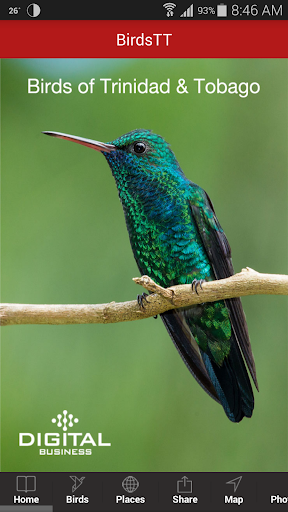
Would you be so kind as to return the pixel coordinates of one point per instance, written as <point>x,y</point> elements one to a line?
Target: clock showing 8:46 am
<point>255,10</point>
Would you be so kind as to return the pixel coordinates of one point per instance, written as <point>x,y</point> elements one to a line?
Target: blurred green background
<point>64,240</point>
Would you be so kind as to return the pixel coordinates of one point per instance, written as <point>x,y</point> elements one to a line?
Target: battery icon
<point>222,10</point>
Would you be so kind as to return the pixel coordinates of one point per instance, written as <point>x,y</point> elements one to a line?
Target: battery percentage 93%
<point>205,10</point>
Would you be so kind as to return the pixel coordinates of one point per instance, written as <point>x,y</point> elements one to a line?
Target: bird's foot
<point>141,298</point>
<point>156,316</point>
<point>195,283</point>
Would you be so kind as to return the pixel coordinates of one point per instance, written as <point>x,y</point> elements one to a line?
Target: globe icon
<point>130,484</point>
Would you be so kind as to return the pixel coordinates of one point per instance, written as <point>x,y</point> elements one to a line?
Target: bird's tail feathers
<point>232,384</point>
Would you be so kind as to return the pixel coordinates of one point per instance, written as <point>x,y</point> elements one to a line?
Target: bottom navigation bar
<point>204,492</point>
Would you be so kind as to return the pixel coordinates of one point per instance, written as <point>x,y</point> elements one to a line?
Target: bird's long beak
<point>94,144</point>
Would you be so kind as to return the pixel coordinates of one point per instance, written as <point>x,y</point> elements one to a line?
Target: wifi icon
<point>169,7</point>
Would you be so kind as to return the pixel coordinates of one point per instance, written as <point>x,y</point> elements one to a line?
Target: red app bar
<point>143,39</point>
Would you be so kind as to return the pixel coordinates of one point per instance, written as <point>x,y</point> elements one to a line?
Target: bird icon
<point>176,238</point>
<point>77,482</point>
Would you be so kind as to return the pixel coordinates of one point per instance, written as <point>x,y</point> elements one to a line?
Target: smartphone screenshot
<point>144,257</point>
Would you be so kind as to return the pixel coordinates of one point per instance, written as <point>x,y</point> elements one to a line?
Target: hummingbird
<point>176,238</point>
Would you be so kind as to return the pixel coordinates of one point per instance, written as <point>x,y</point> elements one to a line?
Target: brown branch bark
<point>247,282</point>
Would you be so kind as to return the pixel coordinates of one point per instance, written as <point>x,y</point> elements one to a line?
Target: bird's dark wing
<point>180,333</point>
<point>175,322</point>
<point>229,383</point>
<point>219,254</point>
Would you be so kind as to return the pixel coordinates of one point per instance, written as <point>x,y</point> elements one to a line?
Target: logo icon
<point>77,482</point>
<point>188,13</point>
<point>64,420</point>
<point>26,483</point>
<point>235,482</point>
<point>64,442</point>
<point>169,7</point>
<point>130,484</point>
<point>184,485</point>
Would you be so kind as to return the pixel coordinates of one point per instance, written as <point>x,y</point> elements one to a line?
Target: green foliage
<point>64,240</point>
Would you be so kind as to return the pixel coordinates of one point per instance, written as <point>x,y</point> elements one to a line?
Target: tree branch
<point>247,282</point>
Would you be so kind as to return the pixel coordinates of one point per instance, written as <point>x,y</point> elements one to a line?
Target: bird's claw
<point>195,283</point>
<point>141,298</point>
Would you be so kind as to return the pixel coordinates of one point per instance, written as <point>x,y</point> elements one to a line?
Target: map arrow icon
<point>235,482</point>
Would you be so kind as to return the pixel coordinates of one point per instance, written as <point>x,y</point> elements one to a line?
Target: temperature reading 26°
<point>14,10</point>
<point>206,10</point>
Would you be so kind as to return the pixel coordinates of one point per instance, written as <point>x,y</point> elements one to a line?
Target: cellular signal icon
<point>169,7</point>
<point>188,13</point>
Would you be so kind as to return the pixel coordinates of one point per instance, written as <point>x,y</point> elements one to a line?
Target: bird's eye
<point>139,147</point>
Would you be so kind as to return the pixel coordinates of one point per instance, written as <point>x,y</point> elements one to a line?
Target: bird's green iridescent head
<point>144,145</point>
<point>142,153</point>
